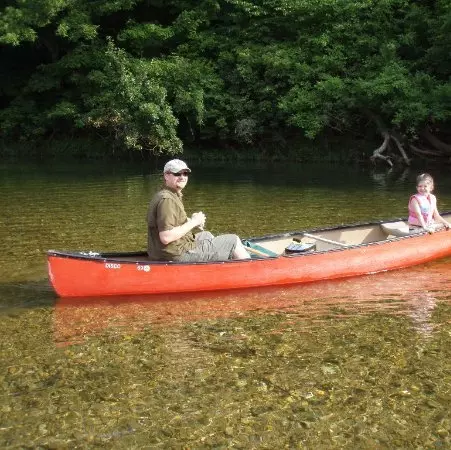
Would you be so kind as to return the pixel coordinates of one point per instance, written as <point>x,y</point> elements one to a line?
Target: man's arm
<point>168,236</point>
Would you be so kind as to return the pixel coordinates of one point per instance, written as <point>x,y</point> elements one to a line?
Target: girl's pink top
<point>427,207</point>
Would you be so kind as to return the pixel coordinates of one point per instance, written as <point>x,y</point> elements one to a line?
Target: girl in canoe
<point>423,206</point>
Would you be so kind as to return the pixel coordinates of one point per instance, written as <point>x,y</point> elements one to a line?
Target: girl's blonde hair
<point>425,177</point>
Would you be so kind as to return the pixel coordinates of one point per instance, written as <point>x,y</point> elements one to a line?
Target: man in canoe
<point>172,236</point>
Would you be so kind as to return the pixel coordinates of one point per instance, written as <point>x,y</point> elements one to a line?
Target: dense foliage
<point>155,74</point>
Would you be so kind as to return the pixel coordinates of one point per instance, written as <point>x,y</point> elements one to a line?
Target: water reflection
<point>413,292</point>
<point>421,314</point>
<point>393,176</point>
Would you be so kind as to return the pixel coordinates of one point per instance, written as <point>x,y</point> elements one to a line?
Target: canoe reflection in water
<point>413,292</point>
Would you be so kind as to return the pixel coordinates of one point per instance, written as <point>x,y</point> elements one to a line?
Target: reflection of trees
<point>394,175</point>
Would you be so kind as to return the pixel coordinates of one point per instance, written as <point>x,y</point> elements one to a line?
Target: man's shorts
<point>211,248</point>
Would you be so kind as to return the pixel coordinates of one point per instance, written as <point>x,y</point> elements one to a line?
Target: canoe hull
<point>82,275</point>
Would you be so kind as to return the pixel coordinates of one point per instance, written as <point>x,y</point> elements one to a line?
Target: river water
<point>357,363</point>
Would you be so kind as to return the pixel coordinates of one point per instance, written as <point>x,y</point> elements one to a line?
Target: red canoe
<point>288,258</point>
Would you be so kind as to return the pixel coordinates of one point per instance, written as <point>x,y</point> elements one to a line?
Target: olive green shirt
<point>166,211</point>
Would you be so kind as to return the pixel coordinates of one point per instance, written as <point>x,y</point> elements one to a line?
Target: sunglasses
<point>179,174</point>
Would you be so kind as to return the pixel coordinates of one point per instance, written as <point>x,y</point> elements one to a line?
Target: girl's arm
<point>435,214</point>
<point>439,218</point>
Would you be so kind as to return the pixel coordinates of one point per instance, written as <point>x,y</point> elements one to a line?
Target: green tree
<point>88,82</point>
<point>152,74</point>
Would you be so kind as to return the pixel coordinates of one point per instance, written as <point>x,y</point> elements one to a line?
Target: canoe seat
<point>257,250</point>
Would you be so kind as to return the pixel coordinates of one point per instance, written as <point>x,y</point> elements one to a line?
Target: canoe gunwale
<point>102,257</point>
<point>371,250</point>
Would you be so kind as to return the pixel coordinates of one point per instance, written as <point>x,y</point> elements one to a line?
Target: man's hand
<point>199,219</point>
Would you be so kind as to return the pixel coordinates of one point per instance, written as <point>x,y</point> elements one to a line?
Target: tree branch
<point>377,154</point>
<point>401,150</point>
<point>436,142</point>
<point>425,152</point>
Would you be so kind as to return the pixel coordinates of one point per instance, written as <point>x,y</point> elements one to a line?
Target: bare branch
<point>425,152</point>
<point>377,154</point>
<point>401,150</point>
<point>436,142</point>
